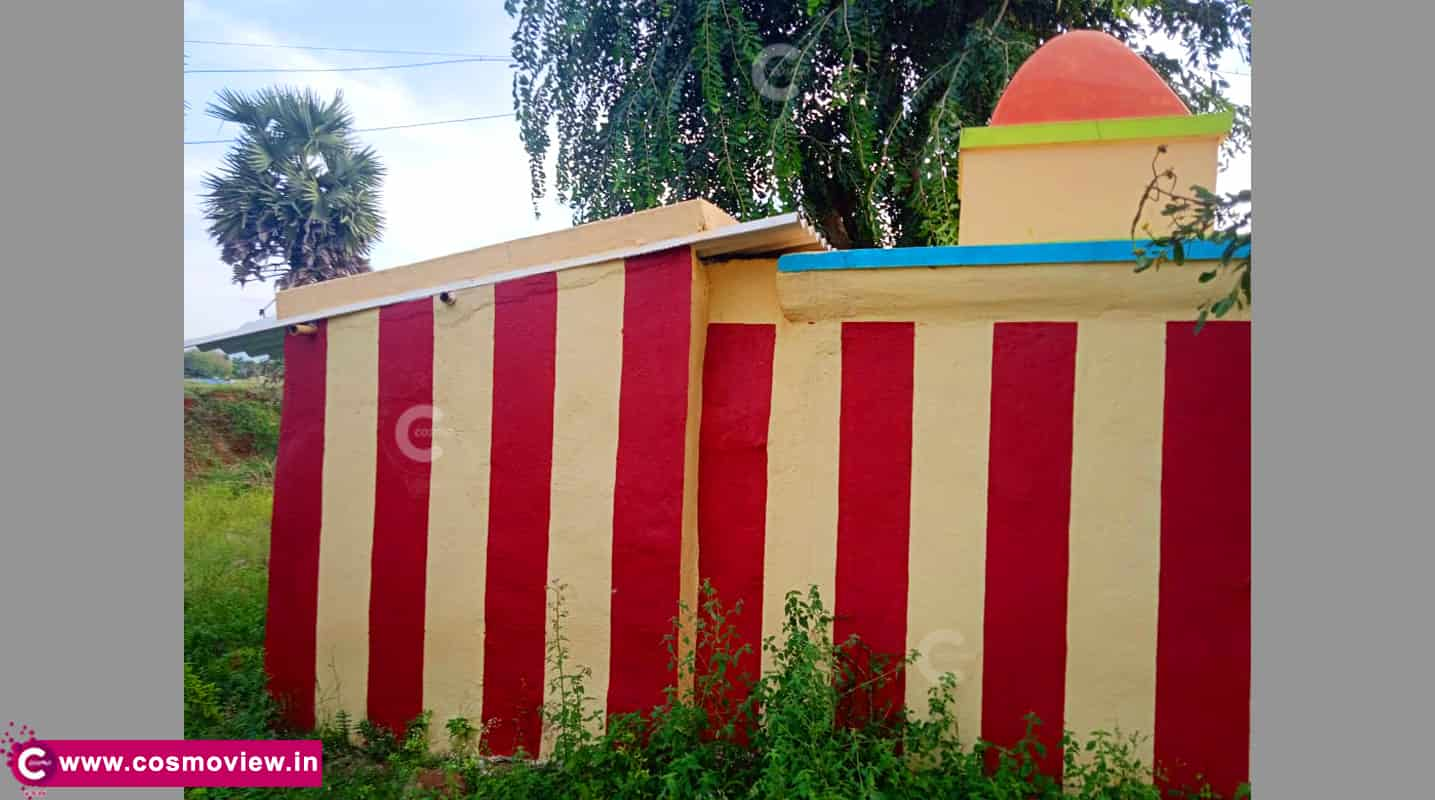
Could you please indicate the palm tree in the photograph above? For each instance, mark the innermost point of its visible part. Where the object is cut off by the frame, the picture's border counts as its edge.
(297, 199)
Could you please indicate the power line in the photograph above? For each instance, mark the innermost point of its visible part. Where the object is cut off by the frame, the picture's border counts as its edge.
(439, 122)
(355, 69)
(348, 49)
(383, 128)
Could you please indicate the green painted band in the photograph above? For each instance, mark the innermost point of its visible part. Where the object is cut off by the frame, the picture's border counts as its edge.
(1098, 130)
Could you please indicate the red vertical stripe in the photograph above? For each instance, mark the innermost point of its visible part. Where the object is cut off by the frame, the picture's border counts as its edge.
(1203, 636)
(732, 482)
(648, 489)
(1028, 511)
(874, 493)
(294, 530)
(401, 495)
(525, 329)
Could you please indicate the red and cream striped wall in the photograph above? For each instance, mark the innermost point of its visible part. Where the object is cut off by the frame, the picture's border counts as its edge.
(1056, 510)
(441, 464)
(1013, 456)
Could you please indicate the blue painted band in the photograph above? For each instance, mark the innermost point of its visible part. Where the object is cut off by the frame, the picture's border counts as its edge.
(987, 255)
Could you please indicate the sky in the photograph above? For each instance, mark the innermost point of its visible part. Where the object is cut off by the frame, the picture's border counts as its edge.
(449, 187)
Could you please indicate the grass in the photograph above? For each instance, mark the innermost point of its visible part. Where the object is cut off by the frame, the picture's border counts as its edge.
(231, 435)
(225, 580)
(226, 544)
(204, 387)
(800, 731)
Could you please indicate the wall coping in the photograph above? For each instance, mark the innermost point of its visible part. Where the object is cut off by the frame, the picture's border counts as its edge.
(771, 234)
(1097, 130)
(987, 255)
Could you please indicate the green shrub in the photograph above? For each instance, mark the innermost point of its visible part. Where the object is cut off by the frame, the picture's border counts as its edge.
(201, 701)
(231, 435)
(255, 423)
(805, 729)
(463, 735)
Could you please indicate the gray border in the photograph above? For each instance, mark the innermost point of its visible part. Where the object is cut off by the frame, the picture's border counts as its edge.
(91, 560)
(91, 566)
(1342, 438)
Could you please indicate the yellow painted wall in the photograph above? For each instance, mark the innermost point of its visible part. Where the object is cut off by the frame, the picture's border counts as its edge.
(800, 548)
(946, 566)
(1011, 194)
(1115, 523)
(351, 417)
(587, 375)
(999, 293)
(643, 227)
(458, 508)
(1114, 528)
(1079, 191)
(1015, 194)
(689, 579)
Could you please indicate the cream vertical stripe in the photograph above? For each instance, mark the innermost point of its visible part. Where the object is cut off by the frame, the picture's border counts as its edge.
(1115, 528)
(346, 539)
(947, 561)
(458, 508)
(688, 575)
(800, 548)
(588, 376)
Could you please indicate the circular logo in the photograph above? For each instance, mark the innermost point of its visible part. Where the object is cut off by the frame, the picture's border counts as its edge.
(930, 663)
(34, 763)
(414, 433)
(778, 87)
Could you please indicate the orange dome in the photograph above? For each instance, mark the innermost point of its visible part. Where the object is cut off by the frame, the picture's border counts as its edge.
(1085, 75)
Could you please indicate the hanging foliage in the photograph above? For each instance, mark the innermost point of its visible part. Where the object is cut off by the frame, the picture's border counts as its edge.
(850, 110)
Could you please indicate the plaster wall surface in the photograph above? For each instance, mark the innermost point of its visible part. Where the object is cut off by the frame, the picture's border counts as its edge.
(545, 428)
(346, 538)
(1039, 474)
(630, 230)
(459, 494)
(1002, 457)
(984, 477)
(1074, 191)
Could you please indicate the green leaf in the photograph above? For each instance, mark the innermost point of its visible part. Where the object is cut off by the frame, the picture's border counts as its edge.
(627, 104)
(275, 198)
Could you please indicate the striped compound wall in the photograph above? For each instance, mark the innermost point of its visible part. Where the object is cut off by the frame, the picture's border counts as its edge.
(1013, 456)
(439, 465)
(1054, 509)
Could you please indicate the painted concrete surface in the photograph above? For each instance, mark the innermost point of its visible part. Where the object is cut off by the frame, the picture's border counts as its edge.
(1073, 191)
(347, 536)
(1002, 466)
(773, 495)
(652, 225)
(585, 447)
(458, 507)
